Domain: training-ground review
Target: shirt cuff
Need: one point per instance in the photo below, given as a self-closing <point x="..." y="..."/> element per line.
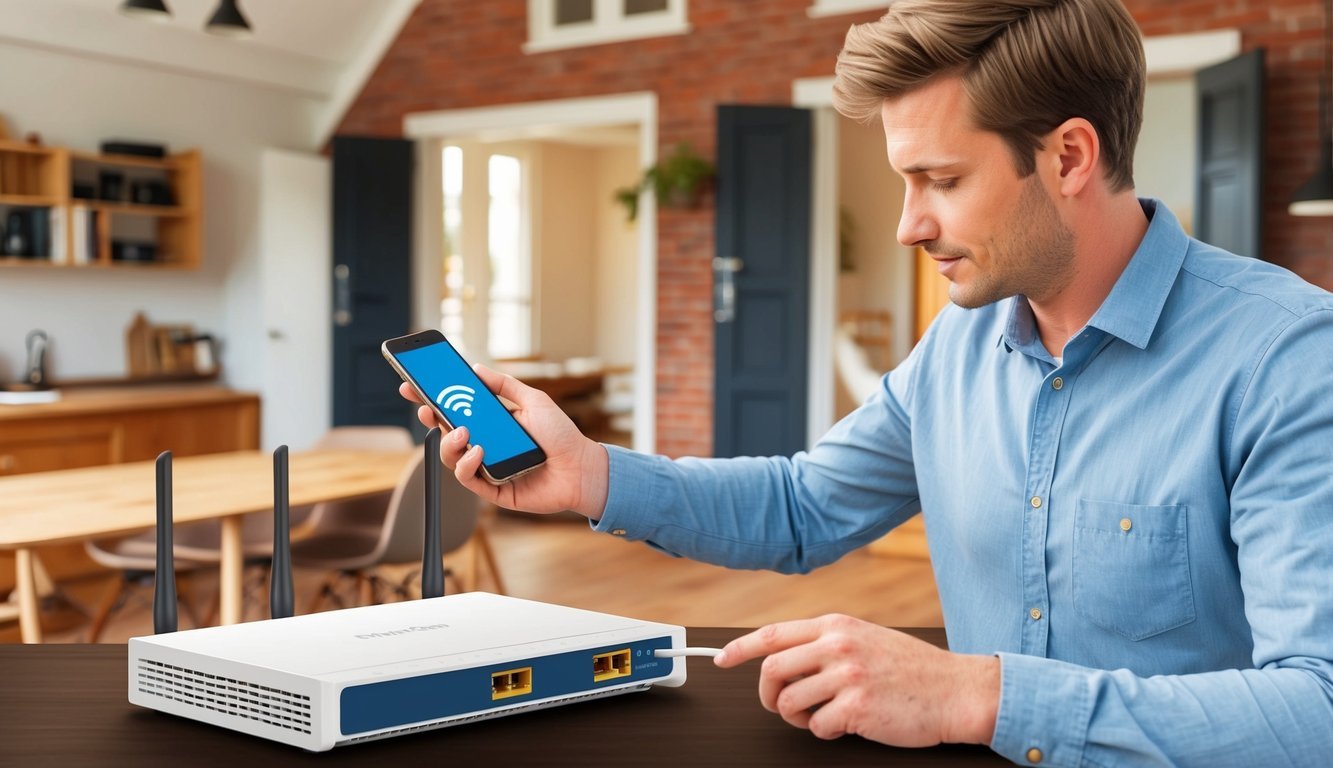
<point x="631" y="477"/>
<point x="1045" y="706"/>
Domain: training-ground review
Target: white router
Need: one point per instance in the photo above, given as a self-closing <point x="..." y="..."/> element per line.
<point x="327" y="679"/>
<point x="341" y="677"/>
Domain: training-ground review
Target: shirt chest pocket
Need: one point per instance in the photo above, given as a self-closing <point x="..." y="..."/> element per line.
<point x="1131" y="567"/>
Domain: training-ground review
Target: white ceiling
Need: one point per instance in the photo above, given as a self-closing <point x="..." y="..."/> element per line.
<point x="322" y="49"/>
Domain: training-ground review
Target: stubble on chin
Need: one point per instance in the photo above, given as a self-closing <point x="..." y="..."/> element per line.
<point x="1033" y="255"/>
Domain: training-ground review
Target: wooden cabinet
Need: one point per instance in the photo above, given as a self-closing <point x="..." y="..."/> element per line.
<point x="38" y="448"/>
<point x="97" y="427"/>
<point x="132" y="212"/>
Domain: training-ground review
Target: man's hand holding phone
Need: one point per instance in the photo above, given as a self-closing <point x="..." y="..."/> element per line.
<point x="574" y="476"/>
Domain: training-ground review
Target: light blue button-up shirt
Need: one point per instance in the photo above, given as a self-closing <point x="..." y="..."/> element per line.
<point x="1142" y="531"/>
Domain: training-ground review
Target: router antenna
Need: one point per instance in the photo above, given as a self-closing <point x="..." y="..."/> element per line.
<point x="164" y="581"/>
<point x="280" y="598"/>
<point x="432" y="567"/>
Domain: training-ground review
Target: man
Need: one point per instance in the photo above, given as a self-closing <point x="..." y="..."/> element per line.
<point x="1121" y="438"/>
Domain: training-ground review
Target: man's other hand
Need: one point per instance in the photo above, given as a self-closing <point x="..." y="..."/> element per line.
<point x="837" y="675"/>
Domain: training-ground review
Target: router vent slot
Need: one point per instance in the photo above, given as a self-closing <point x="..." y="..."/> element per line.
<point x="495" y="713"/>
<point x="238" y="698"/>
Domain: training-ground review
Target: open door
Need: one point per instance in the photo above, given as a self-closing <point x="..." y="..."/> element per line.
<point x="372" y="266"/>
<point x="761" y="281"/>
<point x="1231" y="151"/>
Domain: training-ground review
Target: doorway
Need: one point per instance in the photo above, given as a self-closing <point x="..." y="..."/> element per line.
<point x="525" y="258"/>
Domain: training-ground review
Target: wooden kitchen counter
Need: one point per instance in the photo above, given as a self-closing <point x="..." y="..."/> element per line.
<point x="112" y="400"/>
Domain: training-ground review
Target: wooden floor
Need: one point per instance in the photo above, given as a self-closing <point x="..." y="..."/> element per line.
<point x="561" y="561"/>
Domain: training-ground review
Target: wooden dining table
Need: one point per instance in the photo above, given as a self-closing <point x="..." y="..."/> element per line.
<point x="75" y="505"/>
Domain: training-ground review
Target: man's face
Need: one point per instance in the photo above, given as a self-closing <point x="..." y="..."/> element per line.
<point x="993" y="234"/>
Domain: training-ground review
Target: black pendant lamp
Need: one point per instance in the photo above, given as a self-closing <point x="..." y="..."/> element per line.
<point x="146" y="9"/>
<point x="228" y="21"/>
<point x="1315" y="198"/>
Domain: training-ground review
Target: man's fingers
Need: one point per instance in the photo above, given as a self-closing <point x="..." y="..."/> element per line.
<point x="452" y="447"/>
<point x="767" y="640"/>
<point x="785" y="668"/>
<point x="408" y="393"/>
<point x="798" y="698"/>
<point x="467" y="473"/>
<point x="427" y="418"/>
<point x="508" y="387"/>
<point x="831" y="720"/>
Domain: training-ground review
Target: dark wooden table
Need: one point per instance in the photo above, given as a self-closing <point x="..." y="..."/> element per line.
<point x="65" y="705"/>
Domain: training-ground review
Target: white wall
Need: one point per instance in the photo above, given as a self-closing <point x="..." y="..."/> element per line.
<point x="873" y="194"/>
<point x="564" y="249"/>
<point x="585" y="252"/>
<point x="617" y="257"/>
<point x="78" y="102"/>
<point x="1164" y="160"/>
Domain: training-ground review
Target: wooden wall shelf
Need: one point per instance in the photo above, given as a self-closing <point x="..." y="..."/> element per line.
<point x="81" y="232"/>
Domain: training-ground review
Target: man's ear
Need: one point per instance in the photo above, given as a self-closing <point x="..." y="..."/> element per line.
<point x="1077" y="152"/>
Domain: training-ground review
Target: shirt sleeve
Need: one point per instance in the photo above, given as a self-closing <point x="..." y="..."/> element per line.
<point x="776" y="513"/>
<point x="1280" y="462"/>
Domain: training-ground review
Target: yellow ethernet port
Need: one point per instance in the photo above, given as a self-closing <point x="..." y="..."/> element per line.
<point x="511" y="682"/>
<point x="607" y="666"/>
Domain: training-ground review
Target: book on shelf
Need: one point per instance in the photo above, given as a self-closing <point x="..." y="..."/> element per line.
<point x="59" y="242"/>
<point x="84" y="246"/>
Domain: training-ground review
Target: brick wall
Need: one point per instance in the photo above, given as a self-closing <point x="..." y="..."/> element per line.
<point x="1291" y="34"/>
<point x="454" y="54"/>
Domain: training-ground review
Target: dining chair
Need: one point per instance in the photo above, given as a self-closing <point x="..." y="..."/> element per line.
<point x="354" y="540"/>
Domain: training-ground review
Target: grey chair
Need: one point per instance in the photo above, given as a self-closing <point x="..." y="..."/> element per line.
<point x="352" y="540"/>
<point x="198" y="546"/>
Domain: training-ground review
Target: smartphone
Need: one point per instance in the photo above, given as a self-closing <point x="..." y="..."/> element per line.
<point x="444" y="381"/>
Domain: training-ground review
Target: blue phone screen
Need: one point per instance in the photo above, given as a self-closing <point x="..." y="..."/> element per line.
<point x="446" y="378"/>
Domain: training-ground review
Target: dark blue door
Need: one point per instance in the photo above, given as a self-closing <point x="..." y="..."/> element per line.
<point x="1231" y="154"/>
<point x="372" y="260"/>
<point x="761" y="281"/>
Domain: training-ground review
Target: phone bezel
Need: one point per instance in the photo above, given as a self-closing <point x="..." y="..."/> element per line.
<point x="497" y="474"/>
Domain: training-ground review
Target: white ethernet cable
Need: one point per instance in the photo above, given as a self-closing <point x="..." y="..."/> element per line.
<point x="669" y="653"/>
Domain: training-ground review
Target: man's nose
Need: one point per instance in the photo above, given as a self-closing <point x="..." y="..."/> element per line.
<point x="916" y="225"/>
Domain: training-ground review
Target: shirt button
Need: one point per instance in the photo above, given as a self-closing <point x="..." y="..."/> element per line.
<point x="1057" y="383"/>
<point x="1034" y="755"/>
<point x="618" y="532"/>
<point x="1036" y="502"/>
<point x="1035" y="613"/>
<point x="1126" y="524"/>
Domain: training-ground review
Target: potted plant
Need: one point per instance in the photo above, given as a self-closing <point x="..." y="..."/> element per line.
<point x="679" y="181"/>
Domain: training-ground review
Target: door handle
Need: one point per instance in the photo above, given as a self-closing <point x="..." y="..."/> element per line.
<point x="724" y="288"/>
<point x="342" y="296"/>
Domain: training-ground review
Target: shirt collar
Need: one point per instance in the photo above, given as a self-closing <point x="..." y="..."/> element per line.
<point x="1131" y="310"/>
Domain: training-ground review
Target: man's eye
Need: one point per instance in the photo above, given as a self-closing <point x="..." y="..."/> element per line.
<point x="943" y="185"/>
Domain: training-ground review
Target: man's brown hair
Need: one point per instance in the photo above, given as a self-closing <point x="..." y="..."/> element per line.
<point x="1026" y="66"/>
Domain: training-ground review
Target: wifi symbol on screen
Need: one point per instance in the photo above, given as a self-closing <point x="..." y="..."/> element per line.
<point x="457" y="398"/>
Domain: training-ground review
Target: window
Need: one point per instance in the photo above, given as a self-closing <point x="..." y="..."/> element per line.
<point x="486" y="297"/>
<point x="554" y="24"/>
<point x="510" y="332"/>
<point x="451" y="305"/>
<point x="835" y="7"/>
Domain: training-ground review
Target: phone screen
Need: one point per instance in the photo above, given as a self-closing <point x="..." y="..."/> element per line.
<point x="442" y="375"/>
